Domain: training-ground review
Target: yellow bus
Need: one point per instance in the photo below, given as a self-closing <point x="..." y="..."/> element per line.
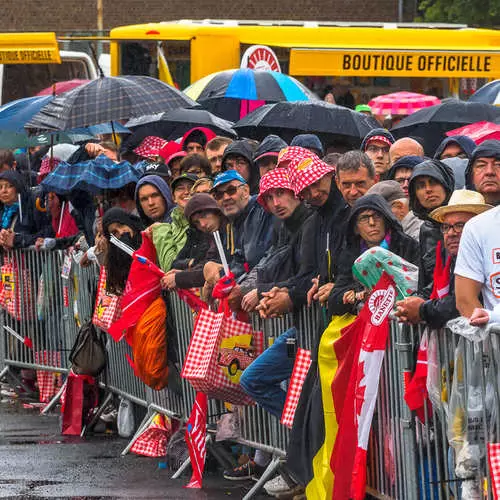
<point x="30" y="62"/>
<point x="365" y="58"/>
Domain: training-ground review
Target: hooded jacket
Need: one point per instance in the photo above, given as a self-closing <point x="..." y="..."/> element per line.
<point x="271" y="144"/>
<point x="400" y="244"/>
<point x="282" y="261"/>
<point x="322" y="241"/>
<point x="376" y="131"/>
<point x="29" y="223"/>
<point x="487" y="149"/>
<point x="162" y="186"/>
<point x="459" y="166"/>
<point x="466" y="144"/>
<point x="430" y="232"/>
<point x="201" y="135"/>
<point x="245" y="149"/>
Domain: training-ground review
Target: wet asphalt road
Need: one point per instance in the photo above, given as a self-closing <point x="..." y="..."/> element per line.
<point x="37" y="462"/>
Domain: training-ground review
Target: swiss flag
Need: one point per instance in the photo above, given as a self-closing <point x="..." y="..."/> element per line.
<point x="142" y="289"/>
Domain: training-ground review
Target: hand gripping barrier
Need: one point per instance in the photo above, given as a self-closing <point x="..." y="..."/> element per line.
<point x="45" y="300"/>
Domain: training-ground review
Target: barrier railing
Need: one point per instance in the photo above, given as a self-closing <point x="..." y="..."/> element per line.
<point x="45" y="299"/>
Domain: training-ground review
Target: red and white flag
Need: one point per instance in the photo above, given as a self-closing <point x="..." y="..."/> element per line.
<point x="196" y="439"/>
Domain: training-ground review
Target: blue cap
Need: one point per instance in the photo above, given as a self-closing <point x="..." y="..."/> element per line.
<point x="228" y="176"/>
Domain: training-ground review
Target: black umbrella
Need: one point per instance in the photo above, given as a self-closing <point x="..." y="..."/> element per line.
<point x="431" y="124"/>
<point x="107" y="99"/>
<point x="329" y="122"/>
<point x="175" y="123"/>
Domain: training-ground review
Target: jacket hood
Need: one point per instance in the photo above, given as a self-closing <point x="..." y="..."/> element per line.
<point x="240" y="148"/>
<point x="201" y="135"/>
<point x="121" y="216"/>
<point x="377" y="131"/>
<point x="310" y="142"/>
<point x="162" y="186"/>
<point x="200" y="202"/>
<point x="404" y="162"/>
<point x="466" y="143"/>
<point x="372" y="202"/>
<point x="487" y="149"/>
<point x="271" y="144"/>
<point x="459" y="166"/>
<point x="14" y="178"/>
<point x="438" y="171"/>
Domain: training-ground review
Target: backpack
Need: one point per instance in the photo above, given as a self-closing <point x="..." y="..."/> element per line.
<point x="88" y="355"/>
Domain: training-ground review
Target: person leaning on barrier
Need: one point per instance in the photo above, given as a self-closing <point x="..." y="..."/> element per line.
<point x="322" y="236"/>
<point x="370" y="224"/>
<point x="20" y="223"/>
<point x="249" y="231"/>
<point x="441" y="307"/>
<point x="205" y="217"/>
<point x="153" y="199"/>
<point x="483" y="171"/>
<point x="431" y="185"/>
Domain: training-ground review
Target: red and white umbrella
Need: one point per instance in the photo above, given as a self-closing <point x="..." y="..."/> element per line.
<point x="401" y="103"/>
<point x="478" y="132"/>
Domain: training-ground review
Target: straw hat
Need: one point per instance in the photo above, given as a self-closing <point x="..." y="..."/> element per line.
<point x="462" y="200"/>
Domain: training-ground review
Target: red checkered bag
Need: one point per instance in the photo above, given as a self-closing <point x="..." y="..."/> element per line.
<point x="153" y="441"/>
<point x="107" y="305"/>
<point x="218" y="351"/>
<point x="16" y="290"/>
<point x="494" y="462"/>
<point x="300" y="369"/>
<point x="48" y="382"/>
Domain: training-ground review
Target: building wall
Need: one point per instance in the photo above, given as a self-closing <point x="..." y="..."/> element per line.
<point x="70" y="15"/>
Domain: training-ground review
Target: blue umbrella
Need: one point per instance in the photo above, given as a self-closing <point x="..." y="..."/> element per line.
<point x="15" y="114"/>
<point x="93" y="176"/>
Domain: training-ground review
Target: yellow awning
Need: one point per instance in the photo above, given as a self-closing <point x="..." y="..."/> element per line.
<point x="28" y="48"/>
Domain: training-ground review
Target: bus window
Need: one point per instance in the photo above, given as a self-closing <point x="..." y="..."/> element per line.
<point x="138" y="59"/>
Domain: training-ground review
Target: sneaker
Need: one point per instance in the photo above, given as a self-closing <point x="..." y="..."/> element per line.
<point x="276" y="486"/>
<point x="244" y="472"/>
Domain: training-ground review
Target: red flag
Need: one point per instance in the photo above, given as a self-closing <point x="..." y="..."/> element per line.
<point x="441" y="275"/>
<point x="360" y="352"/>
<point x="142" y="289"/>
<point x="196" y="439"/>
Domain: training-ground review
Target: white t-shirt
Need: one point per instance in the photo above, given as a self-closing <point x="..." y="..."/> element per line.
<point x="479" y="255"/>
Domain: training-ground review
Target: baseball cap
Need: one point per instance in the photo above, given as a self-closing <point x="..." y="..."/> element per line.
<point x="228" y="176"/>
<point x="184" y="177"/>
<point x="156" y="168"/>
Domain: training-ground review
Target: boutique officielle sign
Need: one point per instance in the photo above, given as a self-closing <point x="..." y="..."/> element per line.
<point x="395" y="63"/>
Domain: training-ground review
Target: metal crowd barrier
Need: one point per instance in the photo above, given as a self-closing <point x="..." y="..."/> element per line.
<point x="407" y="459"/>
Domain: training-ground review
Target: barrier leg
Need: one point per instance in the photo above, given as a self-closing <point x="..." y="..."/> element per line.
<point x="268" y="473"/>
<point x="4" y="372"/>
<point x="146" y="422"/>
<point x="53" y="401"/>
<point x="97" y="414"/>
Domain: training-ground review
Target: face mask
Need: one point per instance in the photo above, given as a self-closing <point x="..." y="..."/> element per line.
<point x="131" y="241"/>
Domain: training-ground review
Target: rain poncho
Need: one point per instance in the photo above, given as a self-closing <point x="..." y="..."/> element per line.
<point x="170" y="238"/>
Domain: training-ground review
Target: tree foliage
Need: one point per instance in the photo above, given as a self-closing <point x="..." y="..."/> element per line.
<point x="481" y="13"/>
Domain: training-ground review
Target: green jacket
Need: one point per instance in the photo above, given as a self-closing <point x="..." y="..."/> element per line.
<point x="169" y="238"/>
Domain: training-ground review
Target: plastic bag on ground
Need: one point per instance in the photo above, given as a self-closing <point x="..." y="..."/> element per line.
<point x="125" y="420"/>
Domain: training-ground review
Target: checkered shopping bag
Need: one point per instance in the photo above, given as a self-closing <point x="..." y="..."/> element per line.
<point x="212" y="368"/>
<point x="494" y="462"/>
<point x="300" y="369"/>
<point x="49" y="382"/>
<point x="107" y="305"/>
<point x="153" y="441"/>
<point x="16" y="291"/>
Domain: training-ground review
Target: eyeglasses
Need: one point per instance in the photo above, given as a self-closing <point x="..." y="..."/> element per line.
<point x="457" y="227"/>
<point x="365" y="219"/>
<point x="230" y="191"/>
<point x="375" y="149"/>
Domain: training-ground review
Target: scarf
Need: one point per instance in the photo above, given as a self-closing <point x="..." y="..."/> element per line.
<point x="441" y="277"/>
<point x="9" y="212"/>
<point x="385" y="243"/>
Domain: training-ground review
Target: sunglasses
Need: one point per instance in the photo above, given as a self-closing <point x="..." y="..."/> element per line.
<point x="230" y="191"/>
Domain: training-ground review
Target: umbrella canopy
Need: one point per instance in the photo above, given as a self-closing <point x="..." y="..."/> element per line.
<point x="431" y="124"/>
<point x="401" y="103"/>
<point x="329" y="122"/>
<point x="15" y="114"/>
<point x="232" y="94"/>
<point x="61" y="87"/>
<point x="176" y="123"/>
<point x="489" y="94"/>
<point x="92" y="176"/>
<point x="107" y="99"/>
<point x="478" y="132"/>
